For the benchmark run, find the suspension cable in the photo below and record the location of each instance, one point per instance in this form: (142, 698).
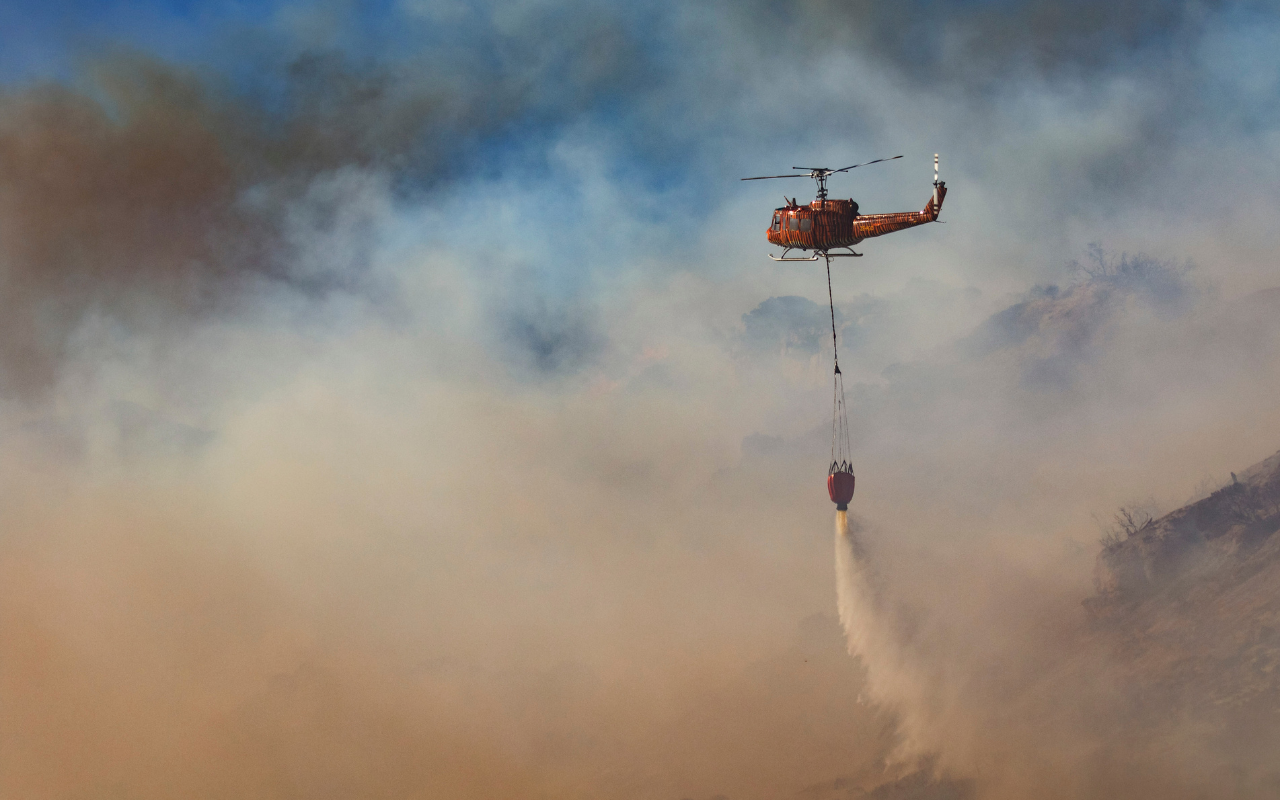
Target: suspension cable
(840, 451)
(831, 300)
(835, 415)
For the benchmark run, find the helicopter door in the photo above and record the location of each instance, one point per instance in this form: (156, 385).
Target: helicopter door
(793, 223)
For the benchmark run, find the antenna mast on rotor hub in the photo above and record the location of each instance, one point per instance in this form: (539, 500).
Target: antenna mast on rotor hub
(821, 178)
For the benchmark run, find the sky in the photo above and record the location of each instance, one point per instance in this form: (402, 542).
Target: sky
(396, 399)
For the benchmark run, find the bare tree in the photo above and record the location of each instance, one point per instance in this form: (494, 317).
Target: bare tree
(1160, 279)
(1128, 521)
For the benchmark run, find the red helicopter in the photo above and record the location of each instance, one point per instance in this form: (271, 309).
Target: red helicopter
(822, 226)
(825, 225)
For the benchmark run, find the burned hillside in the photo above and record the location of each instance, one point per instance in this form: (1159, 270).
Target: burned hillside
(1189, 604)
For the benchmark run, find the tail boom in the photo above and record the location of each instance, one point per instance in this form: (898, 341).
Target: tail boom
(871, 225)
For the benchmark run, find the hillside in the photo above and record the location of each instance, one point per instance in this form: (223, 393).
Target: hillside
(1190, 604)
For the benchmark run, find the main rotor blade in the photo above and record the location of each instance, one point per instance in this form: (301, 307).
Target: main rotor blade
(767, 177)
(866, 163)
(814, 169)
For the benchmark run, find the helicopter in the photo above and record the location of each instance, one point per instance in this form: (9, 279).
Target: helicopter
(827, 224)
(823, 226)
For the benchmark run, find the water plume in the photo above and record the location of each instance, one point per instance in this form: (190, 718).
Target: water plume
(877, 639)
(855, 595)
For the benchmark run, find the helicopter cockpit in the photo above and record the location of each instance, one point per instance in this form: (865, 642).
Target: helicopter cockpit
(789, 218)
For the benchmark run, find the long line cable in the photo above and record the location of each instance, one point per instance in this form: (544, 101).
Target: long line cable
(835, 399)
(839, 416)
(831, 300)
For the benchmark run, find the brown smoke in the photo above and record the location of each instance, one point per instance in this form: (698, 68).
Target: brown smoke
(387, 577)
(156, 195)
(279, 622)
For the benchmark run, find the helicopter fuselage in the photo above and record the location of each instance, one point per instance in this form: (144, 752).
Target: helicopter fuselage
(831, 224)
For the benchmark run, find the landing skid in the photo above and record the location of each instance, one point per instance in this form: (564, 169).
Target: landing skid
(817, 255)
(813, 257)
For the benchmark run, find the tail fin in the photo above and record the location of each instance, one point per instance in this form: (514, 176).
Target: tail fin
(934, 205)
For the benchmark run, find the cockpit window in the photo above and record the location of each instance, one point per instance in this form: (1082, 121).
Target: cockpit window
(777, 222)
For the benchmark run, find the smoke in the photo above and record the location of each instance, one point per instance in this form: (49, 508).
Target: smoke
(400, 569)
(411, 411)
(149, 196)
(154, 199)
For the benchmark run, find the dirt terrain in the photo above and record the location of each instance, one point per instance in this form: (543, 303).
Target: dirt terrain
(1192, 599)
(1190, 605)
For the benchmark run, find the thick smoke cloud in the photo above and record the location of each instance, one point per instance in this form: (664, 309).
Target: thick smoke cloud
(156, 194)
(178, 185)
(410, 410)
(154, 199)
